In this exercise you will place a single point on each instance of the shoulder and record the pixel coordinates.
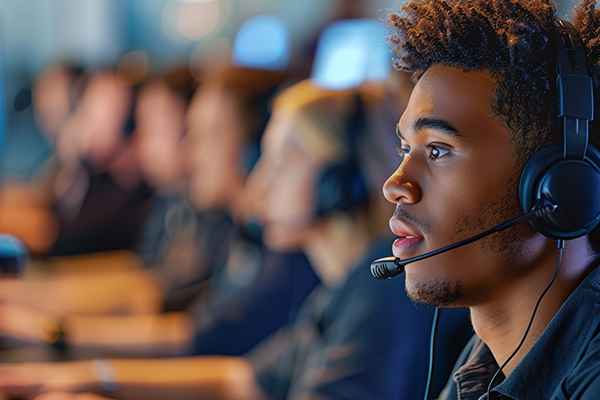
(584, 382)
(363, 308)
(593, 390)
(361, 295)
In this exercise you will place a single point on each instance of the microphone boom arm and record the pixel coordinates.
(388, 267)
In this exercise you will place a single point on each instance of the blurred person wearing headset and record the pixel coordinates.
(249, 294)
(309, 195)
(101, 199)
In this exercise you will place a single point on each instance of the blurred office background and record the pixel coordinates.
(162, 34)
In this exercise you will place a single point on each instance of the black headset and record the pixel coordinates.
(568, 174)
(341, 186)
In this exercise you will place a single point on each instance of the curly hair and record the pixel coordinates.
(510, 38)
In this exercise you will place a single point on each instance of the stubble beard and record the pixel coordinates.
(449, 292)
(436, 293)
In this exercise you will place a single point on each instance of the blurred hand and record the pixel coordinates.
(37, 293)
(70, 396)
(33, 379)
(21, 322)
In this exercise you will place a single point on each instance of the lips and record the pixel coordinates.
(407, 237)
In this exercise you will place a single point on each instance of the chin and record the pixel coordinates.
(281, 242)
(204, 204)
(435, 292)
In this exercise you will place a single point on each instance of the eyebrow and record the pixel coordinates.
(434, 124)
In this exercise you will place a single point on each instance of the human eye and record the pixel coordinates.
(437, 151)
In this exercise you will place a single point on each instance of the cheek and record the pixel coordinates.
(103, 142)
(471, 210)
(482, 183)
(206, 190)
(292, 196)
(206, 175)
(151, 153)
(289, 211)
(288, 201)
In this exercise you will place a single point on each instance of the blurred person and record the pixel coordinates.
(92, 187)
(32, 307)
(101, 200)
(161, 118)
(40, 293)
(251, 292)
(336, 349)
(25, 207)
(56, 93)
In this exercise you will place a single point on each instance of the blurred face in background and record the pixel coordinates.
(160, 120)
(214, 149)
(282, 184)
(95, 131)
(52, 100)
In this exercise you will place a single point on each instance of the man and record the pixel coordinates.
(485, 101)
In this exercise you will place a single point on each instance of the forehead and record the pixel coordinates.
(213, 114)
(462, 99)
(281, 136)
(208, 100)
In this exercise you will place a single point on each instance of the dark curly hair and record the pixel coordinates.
(510, 38)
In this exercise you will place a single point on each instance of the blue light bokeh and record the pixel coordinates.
(351, 52)
(262, 43)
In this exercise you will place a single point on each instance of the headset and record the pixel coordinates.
(341, 185)
(567, 174)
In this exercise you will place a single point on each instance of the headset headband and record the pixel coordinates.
(574, 91)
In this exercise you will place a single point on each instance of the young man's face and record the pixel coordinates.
(458, 178)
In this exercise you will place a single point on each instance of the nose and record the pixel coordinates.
(401, 186)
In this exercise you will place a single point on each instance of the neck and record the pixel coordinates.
(502, 322)
(174, 187)
(337, 244)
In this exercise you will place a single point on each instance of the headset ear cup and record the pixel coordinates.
(573, 185)
(339, 188)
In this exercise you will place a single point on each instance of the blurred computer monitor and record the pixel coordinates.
(262, 43)
(351, 52)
